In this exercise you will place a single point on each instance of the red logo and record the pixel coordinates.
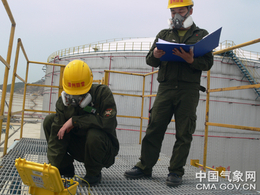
(173, 1)
(76, 85)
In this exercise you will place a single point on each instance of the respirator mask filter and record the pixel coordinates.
(76, 100)
(180, 21)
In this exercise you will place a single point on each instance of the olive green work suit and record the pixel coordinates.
(178, 95)
(93, 139)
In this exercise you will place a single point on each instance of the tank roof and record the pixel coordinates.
(113, 45)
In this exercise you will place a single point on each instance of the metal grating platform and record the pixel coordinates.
(113, 181)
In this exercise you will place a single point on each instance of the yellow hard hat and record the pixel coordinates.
(77, 78)
(179, 3)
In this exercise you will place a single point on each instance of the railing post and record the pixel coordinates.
(142, 112)
(11, 97)
(106, 76)
(24, 99)
(8, 60)
(206, 120)
(60, 81)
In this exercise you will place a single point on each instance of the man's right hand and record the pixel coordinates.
(65, 128)
(157, 53)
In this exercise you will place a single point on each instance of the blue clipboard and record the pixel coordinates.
(205, 45)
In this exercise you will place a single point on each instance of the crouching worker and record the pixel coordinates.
(83, 127)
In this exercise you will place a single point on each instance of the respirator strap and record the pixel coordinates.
(186, 15)
(64, 98)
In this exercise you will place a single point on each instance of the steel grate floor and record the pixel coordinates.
(113, 182)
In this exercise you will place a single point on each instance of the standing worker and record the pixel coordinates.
(178, 94)
(84, 126)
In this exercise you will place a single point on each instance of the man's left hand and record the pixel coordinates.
(187, 56)
(65, 128)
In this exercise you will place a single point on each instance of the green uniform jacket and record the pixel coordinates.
(104, 118)
(181, 74)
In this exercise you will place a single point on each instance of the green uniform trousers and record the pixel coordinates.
(93, 147)
(181, 103)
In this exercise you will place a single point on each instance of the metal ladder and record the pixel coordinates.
(244, 70)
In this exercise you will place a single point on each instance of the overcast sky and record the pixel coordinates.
(50, 25)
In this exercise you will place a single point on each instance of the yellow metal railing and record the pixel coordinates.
(207, 123)
(106, 80)
(245, 56)
(6, 63)
(103, 46)
(15, 75)
(107, 75)
(240, 53)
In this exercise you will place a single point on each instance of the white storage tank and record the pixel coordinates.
(129, 56)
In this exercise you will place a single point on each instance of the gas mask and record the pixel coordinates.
(180, 21)
(76, 100)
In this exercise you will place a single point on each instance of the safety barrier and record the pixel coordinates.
(207, 123)
(6, 62)
(26, 84)
(240, 53)
(243, 55)
(102, 46)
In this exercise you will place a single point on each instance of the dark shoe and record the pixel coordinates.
(67, 171)
(173, 179)
(136, 173)
(92, 180)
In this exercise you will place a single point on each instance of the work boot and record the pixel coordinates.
(67, 171)
(173, 179)
(92, 180)
(136, 173)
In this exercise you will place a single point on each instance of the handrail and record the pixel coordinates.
(6, 62)
(8, 11)
(244, 55)
(103, 46)
(207, 123)
(15, 75)
(230, 45)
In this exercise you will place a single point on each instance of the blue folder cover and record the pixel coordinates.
(205, 45)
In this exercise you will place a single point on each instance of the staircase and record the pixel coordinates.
(244, 70)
